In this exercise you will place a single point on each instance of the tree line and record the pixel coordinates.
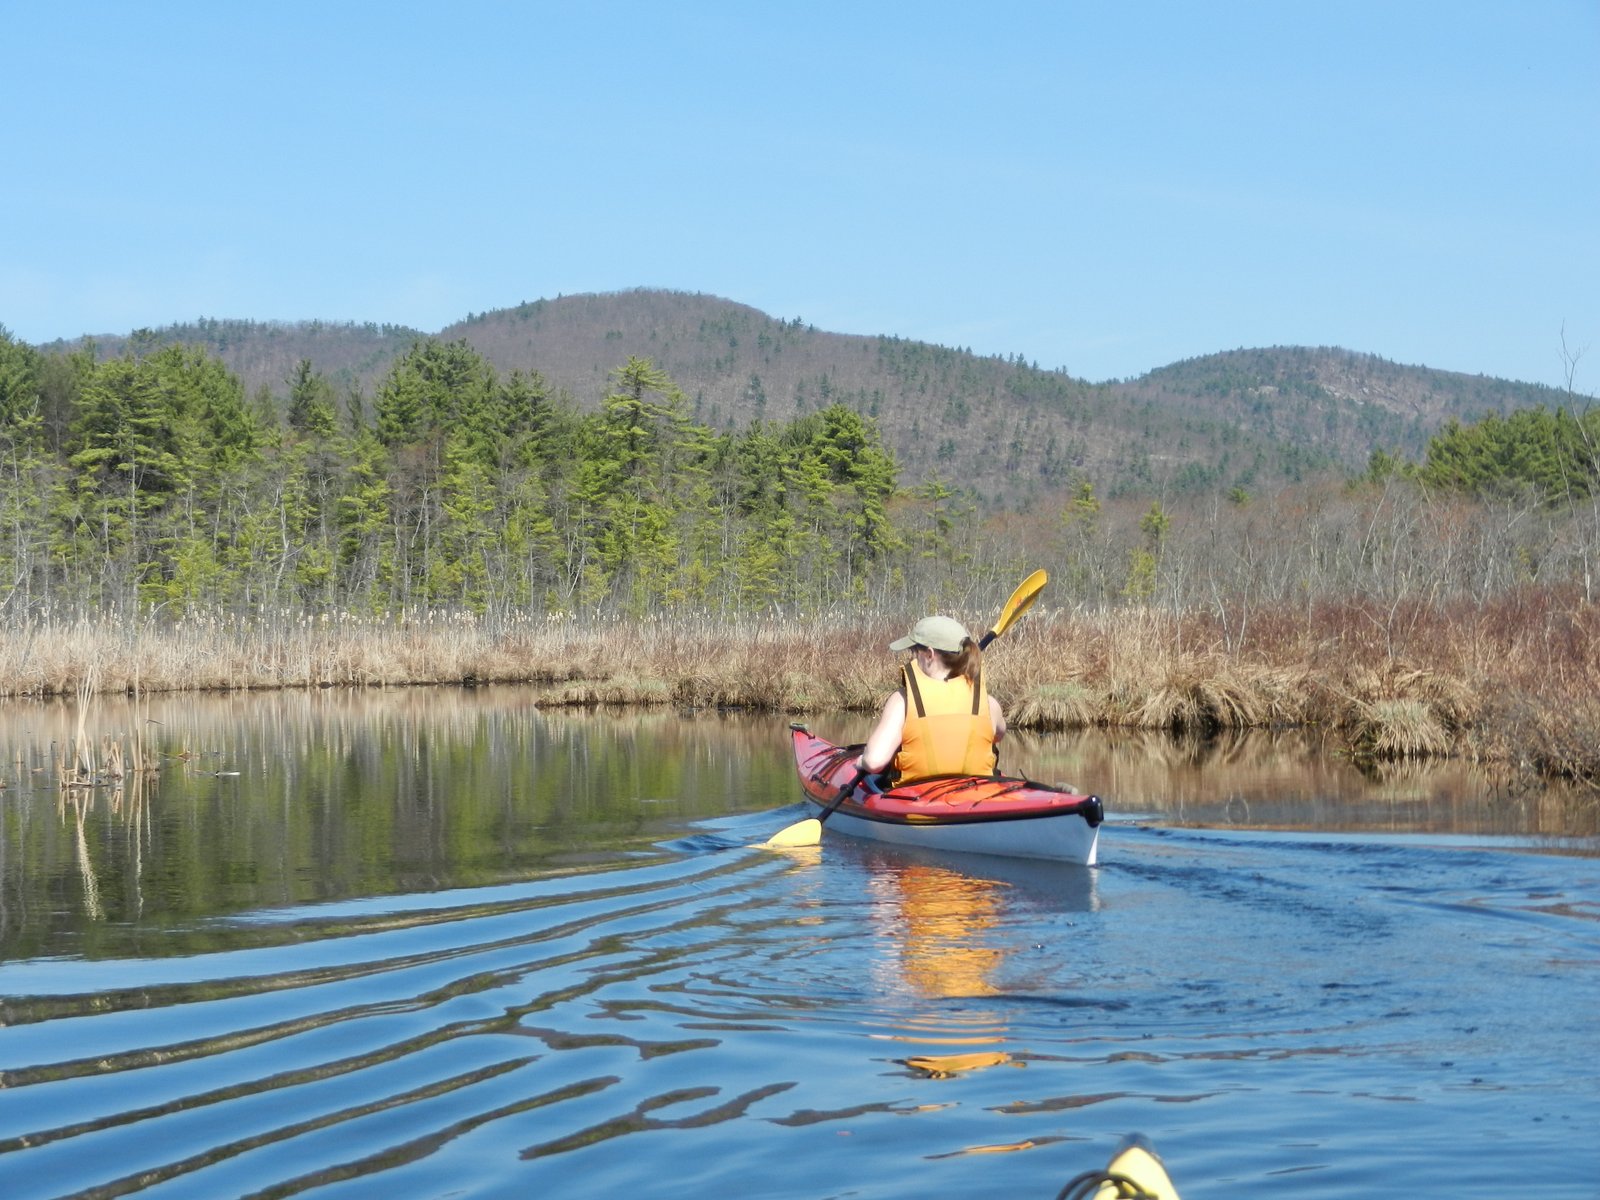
(152, 484)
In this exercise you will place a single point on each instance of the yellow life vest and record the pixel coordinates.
(948, 728)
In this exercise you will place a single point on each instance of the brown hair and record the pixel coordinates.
(964, 662)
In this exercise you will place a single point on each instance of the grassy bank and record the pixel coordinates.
(1513, 682)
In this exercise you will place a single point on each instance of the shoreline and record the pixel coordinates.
(1486, 684)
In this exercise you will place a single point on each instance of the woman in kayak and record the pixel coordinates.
(941, 720)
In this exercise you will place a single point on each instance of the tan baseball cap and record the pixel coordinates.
(936, 633)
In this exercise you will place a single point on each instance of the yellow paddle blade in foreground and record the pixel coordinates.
(802, 833)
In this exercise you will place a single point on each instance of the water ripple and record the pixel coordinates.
(726, 1010)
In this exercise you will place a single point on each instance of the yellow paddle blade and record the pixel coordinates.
(1027, 592)
(801, 833)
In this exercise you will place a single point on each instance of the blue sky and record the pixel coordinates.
(1104, 187)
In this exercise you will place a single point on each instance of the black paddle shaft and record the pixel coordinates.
(861, 773)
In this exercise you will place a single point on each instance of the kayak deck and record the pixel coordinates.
(991, 814)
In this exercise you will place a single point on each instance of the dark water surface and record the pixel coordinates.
(438, 943)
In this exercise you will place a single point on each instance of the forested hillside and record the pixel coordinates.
(1000, 429)
(153, 483)
(1345, 404)
(157, 482)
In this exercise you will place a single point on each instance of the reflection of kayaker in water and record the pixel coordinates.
(946, 921)
(941, 720)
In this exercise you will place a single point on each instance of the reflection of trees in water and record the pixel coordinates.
(291, 722)
(240, 800)
(1295, 779)
(237, 801)
(77, 804)
(88, 779)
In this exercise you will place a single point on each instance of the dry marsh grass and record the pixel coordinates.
(1514, 682)
(1397, 728)
(1065, 705)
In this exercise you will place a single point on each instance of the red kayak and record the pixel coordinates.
(982, 814)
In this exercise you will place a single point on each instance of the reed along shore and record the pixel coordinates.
(1515, 681)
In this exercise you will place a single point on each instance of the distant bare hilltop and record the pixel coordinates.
(998, 427)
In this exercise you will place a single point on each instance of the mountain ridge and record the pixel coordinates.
(998, 427)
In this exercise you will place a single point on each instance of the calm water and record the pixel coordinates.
(437, 943)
